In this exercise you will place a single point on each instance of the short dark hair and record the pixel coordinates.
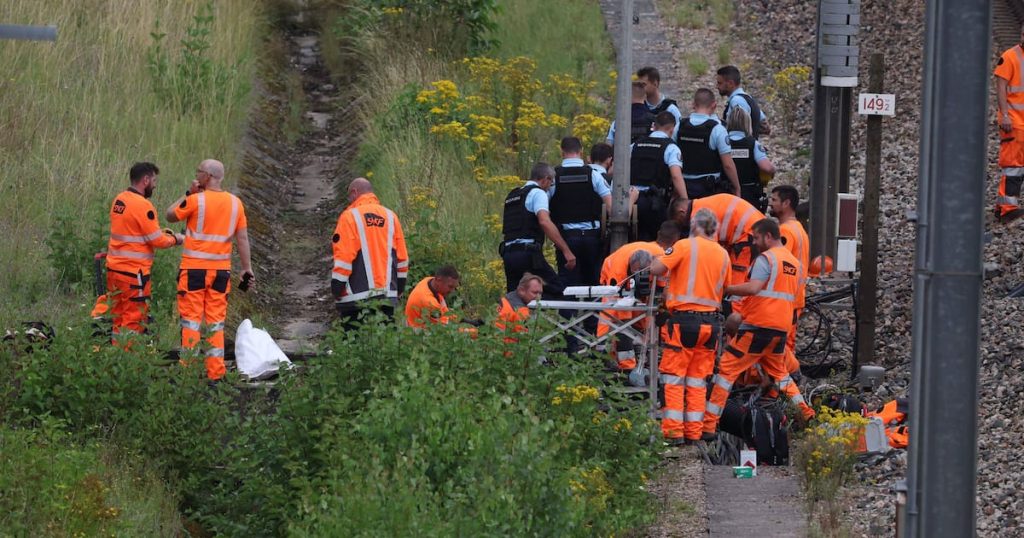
(664, 119)
(703, 97)
(141, 170)
(767, 227)
(639, 88)
(601, 152)
(669, 232)
(447, 271)
(650, 73)
(788, 193)
(571, 144)
(541, 170)
(730, 73)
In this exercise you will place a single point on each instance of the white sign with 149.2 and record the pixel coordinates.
(876, 104)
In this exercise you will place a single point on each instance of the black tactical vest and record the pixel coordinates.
(575, 199)
(698, 157)
(642, 118)
(755, 114)
(647, 166)
(517, 222)
(746, 167)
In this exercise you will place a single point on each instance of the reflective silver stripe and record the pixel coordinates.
(672, 414)
(720, 285)
(695, 382)
(712, 409)
(777, 295)
(234, 216)
(774, 274)
(670, 379)
(201, 212)
(785, 382)
(695, 300)
(391, 244)
(342, 265)
(215, 352)
(188, 324)
(340, 278)
(691, 281)
(694, 416)
(1007, 200)
(352, 297)
(798, 399)
(403, 264)
(723, 383)
(725, 220)
(219, 326)
(743, 221)
(1016, 106)
(136, 238)
(204, 255)
(1020, 64)
(1013, 171)
(131, 254)
(622, 355)
(367, 262)
(208, 237)
(142, 288)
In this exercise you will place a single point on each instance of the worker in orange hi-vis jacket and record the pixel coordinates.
(134, 234)
(1009, 74)
(783, 202)
(767, 317)
(427, 303)
(513, 310)
(213, 219)
(371, 262)
(698, 269)
(614, 271)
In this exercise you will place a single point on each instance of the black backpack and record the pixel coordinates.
(763, 427)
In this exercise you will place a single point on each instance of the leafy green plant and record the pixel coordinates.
(724, 52)
(696, 64)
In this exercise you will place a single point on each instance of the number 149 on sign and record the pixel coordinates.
(876, 104)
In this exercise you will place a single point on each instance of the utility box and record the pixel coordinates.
(838, 48)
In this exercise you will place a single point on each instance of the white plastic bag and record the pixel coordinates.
(256, 353)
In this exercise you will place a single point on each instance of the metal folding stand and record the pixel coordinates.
(590, 302)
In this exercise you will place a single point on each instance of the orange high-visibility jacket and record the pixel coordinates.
(424, 304)
(772, 307)
(892, 413)
(134, 233)
(370, 258)
(1008, 68)
(699, 272)
(799, 245)
(512, 313)
(735, 216)
(211, 220)
(615, 268)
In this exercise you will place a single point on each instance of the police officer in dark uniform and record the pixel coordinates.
(525, 223)
(753, 168)
(706, 153)
(728, 80)
(656, 172)
(578, 198)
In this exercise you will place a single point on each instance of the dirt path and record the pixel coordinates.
(313, 167)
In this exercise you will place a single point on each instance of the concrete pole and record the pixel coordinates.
(868, 287)
(948, 270)
(619, 221)
(28, 33)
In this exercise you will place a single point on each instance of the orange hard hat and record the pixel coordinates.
(816, 266)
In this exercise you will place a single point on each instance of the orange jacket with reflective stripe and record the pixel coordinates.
(799, 245)
(424, 304)
(1008, 68)
(698, 273)
(772, 307)
(134, 233)
(735, 216)
(370, 258)
(511, 315)
(211, 220)
(616, 266)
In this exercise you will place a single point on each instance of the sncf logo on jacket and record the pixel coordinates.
(374, 220)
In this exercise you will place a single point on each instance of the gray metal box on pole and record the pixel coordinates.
(835, 74)
(948, 270)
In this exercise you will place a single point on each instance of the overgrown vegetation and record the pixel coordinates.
(78, 112)
(828, 451)
(694, 14)
(786, 92)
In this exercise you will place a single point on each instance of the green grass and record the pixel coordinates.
(724, 52)
(696, 14)
(530, 27)
(77, 113)
(696, 64)
(688, 15)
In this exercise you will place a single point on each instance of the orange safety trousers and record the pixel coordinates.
(129, 308)
(624, 350)
(689, 341)
(1011, 164)
(203, 298)
(749, 347)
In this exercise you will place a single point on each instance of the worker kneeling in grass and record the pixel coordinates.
(427, 301)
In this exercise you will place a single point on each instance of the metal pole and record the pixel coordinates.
(28, 33)
(948, 270)
(869, 246)
(619, 221)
